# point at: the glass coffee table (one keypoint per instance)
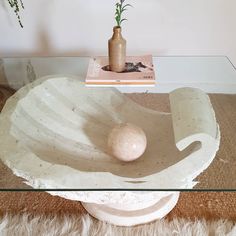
(54, 133)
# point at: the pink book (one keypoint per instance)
(139, 71)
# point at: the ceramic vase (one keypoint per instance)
(117, 51)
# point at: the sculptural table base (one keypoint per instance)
(58, 129)
(129, 215)
(54, 134)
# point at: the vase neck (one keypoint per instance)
(117, 32)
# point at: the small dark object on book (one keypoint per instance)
(130, 67)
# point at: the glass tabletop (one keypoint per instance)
(212, 74)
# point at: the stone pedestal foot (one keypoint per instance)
(134, 214)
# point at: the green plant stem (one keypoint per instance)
(14, 4)
(120, 8)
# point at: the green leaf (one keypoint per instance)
(117, 6)
(122, 20)
(117, 20)
(117, 12)
(120, 8)
(123, 10)
(11, 3)
(127, 5)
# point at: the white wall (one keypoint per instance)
(82, 27)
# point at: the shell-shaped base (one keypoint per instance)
(55, 133)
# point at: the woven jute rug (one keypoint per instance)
(191, 205)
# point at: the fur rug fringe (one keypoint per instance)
(71, 225)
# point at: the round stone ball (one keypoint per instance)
(127, 142)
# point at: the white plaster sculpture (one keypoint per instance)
(125, 208)
(54, 133)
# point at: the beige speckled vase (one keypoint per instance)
(117, 51)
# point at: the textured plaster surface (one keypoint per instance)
(55, 131)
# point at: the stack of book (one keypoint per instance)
(139, 71)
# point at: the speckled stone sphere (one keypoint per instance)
(127, 142)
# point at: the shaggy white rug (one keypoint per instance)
(25, 225)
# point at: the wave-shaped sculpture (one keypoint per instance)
(55, 132)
